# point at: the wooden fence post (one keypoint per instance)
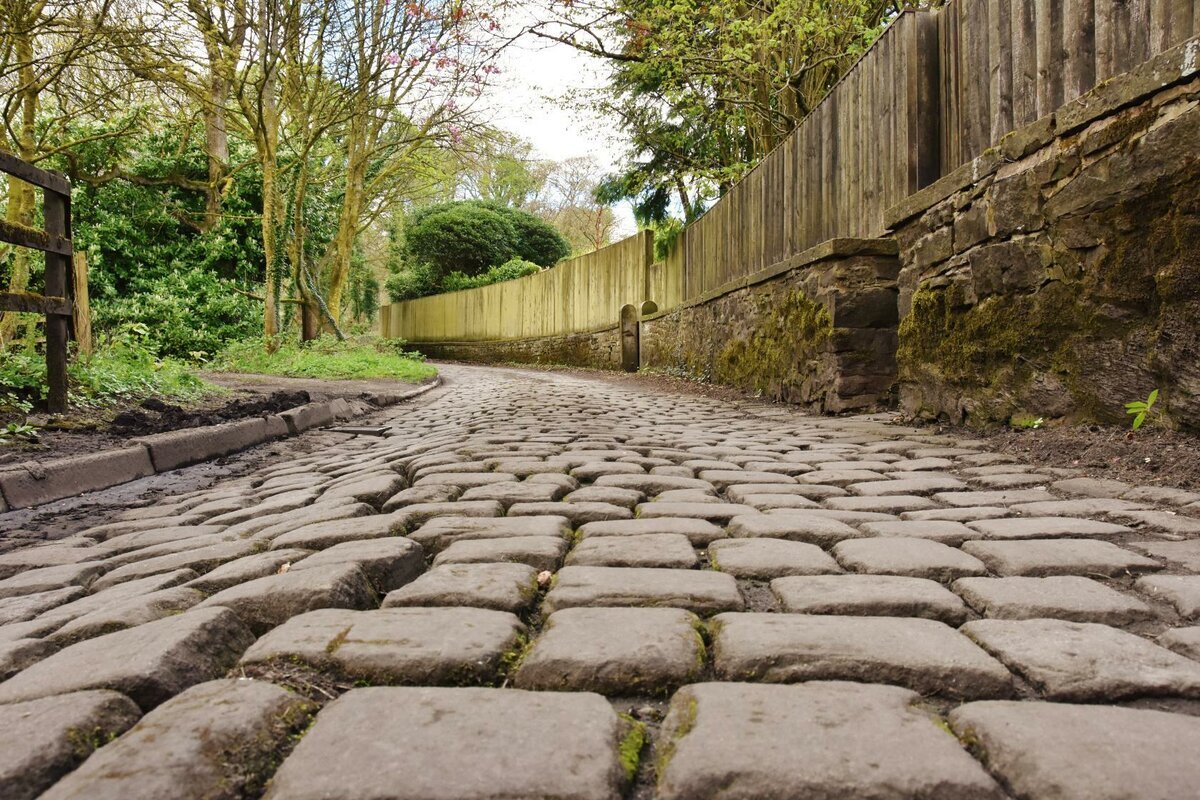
(83, 308)
(57, 217)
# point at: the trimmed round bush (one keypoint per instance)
(461, 237)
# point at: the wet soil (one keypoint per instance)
(91, 430)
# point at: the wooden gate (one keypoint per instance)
(55, 242)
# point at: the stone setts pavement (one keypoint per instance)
(545, 586)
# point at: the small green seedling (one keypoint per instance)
(1141, 408)
(13, 431)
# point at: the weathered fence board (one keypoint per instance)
(583, 294)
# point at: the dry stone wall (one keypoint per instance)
(1058, 274)
(597, 350)
(818, 330)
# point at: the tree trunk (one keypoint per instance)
(216, 136)
(20, 194)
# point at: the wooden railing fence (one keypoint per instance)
(55, 242)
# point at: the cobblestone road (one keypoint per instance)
(542, 586)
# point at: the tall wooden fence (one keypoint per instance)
(933, 92)
(577, 296)
(1004, 64)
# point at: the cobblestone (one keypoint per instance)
(538, 564)
(920, 654)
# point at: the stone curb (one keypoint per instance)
(38, 484)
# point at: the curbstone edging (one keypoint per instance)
(180, 448)
(66, 477)
(310, 415)
(27, 485)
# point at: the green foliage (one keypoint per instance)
(509, 270)
(410, 282)
(471, 236)
(463, 237)
(123, 368)
(537, 241)
(187, 314)
(149, 266)
(326, 358)
(18, 431)
(666, 233)
(1140, 409)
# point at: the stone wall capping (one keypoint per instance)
(831, 248)
(38, 483)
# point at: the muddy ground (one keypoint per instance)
(89, 430)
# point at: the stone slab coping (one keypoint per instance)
(36, 484)
(1176, 65)
(828, 249)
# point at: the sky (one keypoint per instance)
(528, 99)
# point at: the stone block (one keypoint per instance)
(200, 559)
(1067, 597)
(701, 592)
(47, 738)
(671, 550)
(319, 535)
(311, 415)
(614, 651)
(47, 481)
(245, 569)
(1045, 528)
(948, 532)
(764, 559)
(149, 663)
(578, 513)
(175, 449)
(869, 595)
(266, 602)
(1085, 662)
(1042, 557)
(442, 532)
(388, 563)
(799, 526)
(916, 558)
(214, 740)
(1181, 591)
(745, 741)
(20, 653)
(698, 531)
(420, 646)
(47, 579)
(1084, 752)
(539, 552)
(409, 744)
(503, 587)
(919, 654)
(133, 611)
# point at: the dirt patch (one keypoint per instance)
(90, 431)
(155, 416)
(1148, 457)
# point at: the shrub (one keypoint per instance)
(410, 282)
(509, 270)
(465, 237)
(452, 237)
(537, 241)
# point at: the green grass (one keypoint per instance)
(326, 358)
(120, 370)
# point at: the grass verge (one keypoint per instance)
(326, 358)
